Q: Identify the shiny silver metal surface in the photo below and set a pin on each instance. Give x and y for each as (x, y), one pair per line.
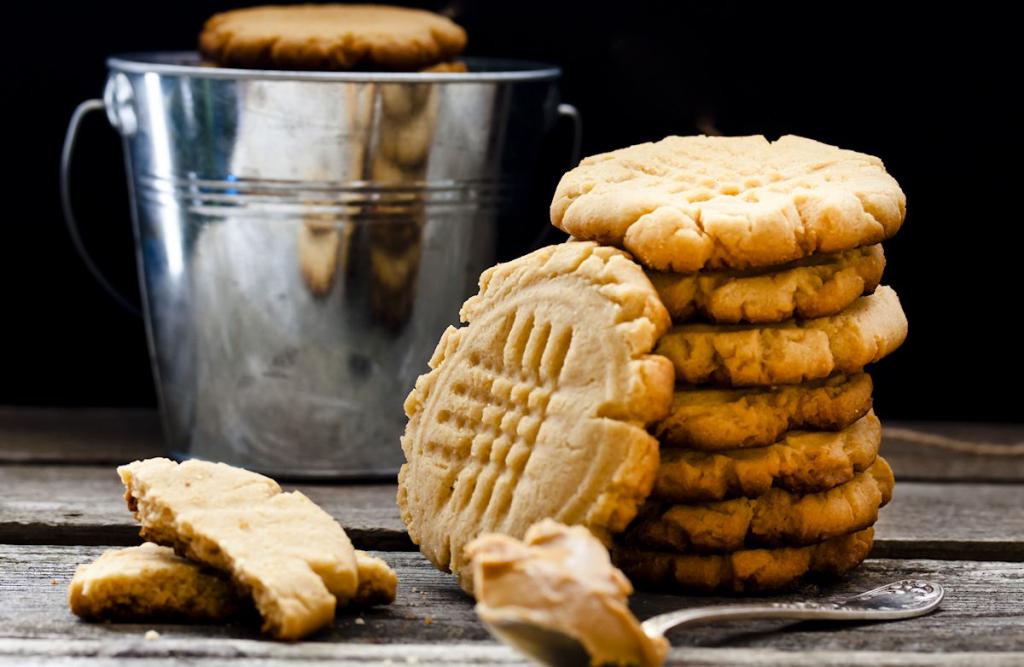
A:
(304, 238)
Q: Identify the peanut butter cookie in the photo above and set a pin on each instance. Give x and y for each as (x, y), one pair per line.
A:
(802, 462)
(378, 583)
(150, 582)
(688, 203)
(331, 37)
(290, 555)
(813, 287)
(747, 571)
(774, 519)
(538, 407)
(788, 352)
(711, 419)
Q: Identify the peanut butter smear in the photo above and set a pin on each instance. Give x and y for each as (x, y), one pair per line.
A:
(561, 578)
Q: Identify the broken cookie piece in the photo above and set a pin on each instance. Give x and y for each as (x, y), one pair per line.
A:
(378, 583)
(150, 581)
(561, 579)
(291, 556)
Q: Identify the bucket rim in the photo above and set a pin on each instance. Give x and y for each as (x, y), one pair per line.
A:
(189, 63)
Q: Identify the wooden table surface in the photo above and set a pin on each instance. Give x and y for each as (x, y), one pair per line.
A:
(957, 518)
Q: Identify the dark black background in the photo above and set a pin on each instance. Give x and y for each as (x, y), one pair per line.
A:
(932, 91)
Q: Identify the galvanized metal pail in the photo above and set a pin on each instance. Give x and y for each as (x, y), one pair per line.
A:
(305, 237)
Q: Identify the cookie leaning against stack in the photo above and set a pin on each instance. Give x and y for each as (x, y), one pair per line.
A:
(767, 256)
(538, 407)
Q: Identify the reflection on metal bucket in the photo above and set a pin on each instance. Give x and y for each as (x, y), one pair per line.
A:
(305, 239)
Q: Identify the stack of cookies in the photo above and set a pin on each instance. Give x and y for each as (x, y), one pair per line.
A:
(767, 256)
(703, 409)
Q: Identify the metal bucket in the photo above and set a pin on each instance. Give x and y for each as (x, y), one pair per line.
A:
(305, 237)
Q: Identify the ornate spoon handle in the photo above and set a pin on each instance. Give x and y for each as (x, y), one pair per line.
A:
(901, 599)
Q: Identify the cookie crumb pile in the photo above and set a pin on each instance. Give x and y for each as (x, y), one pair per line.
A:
(768, 257)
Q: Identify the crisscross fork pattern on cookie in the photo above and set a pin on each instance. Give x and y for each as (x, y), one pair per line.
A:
(500, 408)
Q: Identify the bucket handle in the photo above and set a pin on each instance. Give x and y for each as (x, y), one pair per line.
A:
(81, 111)
(573, 115)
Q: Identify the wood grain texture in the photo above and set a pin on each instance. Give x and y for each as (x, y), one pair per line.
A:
(951, 451)
(83, 505)
(59, 496)
(952, 520)
(432, 615)
(88, 435)
(113, 436)
(42, 504)
(210, 653)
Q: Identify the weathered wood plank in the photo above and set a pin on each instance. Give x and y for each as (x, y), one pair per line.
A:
(87, 435)
(922, 451)
(982, 612)
(186, 653)
(167, 652)
(83, 505)
(42, 504)
(952, 520)
(952, 451)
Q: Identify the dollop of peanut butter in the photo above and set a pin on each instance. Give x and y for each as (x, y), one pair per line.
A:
(561, 578)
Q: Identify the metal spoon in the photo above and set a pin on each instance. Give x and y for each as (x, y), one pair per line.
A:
(906, 598)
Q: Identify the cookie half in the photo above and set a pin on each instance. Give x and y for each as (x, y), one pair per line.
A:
(817, 286)
(711, 419)
(802, 462)
(774, 519)
(331, 37)
(538, 407)
(684, 204)
(746, 571)
(788, 352)
(281, 548)
(150, 582)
